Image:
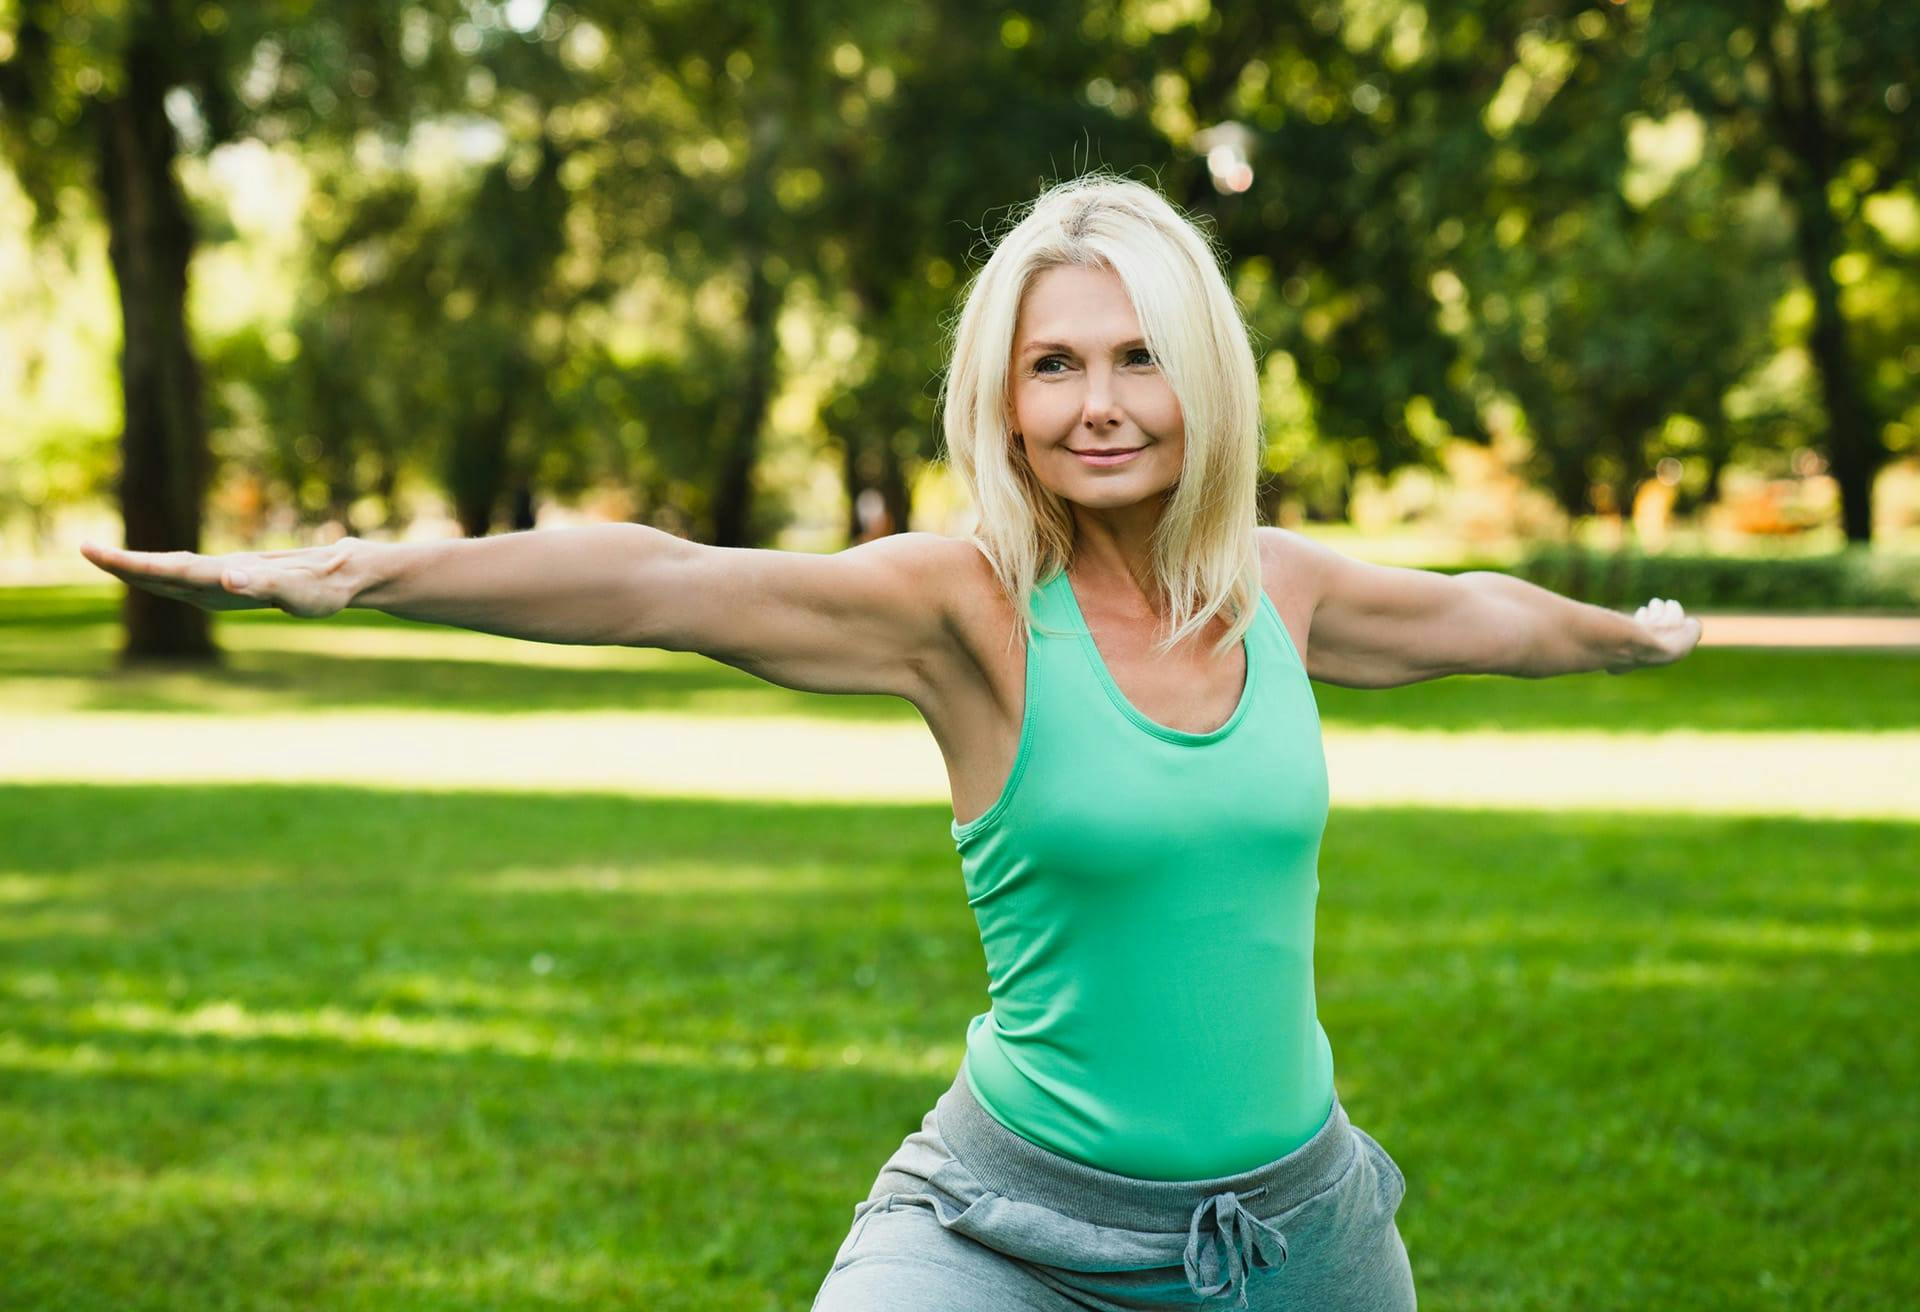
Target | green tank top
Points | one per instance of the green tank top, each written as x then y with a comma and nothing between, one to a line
1146,898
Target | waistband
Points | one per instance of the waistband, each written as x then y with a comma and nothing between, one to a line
1227,1236
1017,1167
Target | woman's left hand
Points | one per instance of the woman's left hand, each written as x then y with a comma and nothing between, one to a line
1671,634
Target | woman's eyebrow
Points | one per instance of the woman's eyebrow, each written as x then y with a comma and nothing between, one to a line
1062,346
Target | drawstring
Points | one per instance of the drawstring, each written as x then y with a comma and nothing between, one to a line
1250,1244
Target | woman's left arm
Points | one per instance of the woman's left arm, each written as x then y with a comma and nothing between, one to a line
1381,626
1573,637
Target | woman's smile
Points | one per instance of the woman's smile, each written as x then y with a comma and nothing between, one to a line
1114,458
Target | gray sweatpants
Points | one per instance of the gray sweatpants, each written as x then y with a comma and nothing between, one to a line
967,1216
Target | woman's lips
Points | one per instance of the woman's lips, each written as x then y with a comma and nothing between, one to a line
1117,458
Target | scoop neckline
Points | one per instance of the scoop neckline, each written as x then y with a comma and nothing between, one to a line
1182,737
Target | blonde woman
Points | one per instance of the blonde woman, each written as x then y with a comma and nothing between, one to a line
1116,669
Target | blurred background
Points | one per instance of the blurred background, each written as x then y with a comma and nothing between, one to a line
1634,276
372,964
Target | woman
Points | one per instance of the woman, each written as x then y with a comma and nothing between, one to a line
1116,670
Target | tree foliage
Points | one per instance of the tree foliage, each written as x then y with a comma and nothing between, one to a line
651,242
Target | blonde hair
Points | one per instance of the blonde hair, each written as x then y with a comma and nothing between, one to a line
1205,556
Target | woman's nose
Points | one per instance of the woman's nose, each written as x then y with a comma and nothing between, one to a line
1100,407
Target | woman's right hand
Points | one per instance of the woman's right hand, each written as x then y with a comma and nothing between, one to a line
311,582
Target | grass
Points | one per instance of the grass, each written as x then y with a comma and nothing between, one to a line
317,1046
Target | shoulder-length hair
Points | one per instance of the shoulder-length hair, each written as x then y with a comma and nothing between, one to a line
1204,553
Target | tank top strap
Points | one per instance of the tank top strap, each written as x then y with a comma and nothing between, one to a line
1064,689
1277,638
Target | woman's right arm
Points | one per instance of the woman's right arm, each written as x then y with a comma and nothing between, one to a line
584,585
871,618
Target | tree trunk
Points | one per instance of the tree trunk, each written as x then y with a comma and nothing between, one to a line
893,487
733,499
1855,449
525,512
480,467
1567,481
850,478
1625,485
386,485
341,492
165,462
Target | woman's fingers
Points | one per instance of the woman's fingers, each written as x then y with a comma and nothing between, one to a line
205,581
168,566
146,564
107,558
1670,626
1661,610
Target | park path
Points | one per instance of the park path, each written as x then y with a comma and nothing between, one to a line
1815,773
810,759
1765,630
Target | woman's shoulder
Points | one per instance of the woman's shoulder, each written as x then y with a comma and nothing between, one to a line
982,665
1288,575
960,572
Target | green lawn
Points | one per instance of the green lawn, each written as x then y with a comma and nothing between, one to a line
293,1047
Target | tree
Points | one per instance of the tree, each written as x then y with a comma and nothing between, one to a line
96,97
1815,98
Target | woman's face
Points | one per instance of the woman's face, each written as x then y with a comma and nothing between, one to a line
1083,380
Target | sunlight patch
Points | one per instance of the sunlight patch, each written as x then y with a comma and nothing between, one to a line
38,924
1650,975
15,889
1785,936
705,878
232,1021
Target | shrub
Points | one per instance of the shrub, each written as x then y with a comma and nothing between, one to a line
1852,579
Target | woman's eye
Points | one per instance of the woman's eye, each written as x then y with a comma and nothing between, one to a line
1140,356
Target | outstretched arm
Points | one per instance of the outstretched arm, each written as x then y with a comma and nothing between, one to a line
589,585
1565,636
870,619
574,585
1381,626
